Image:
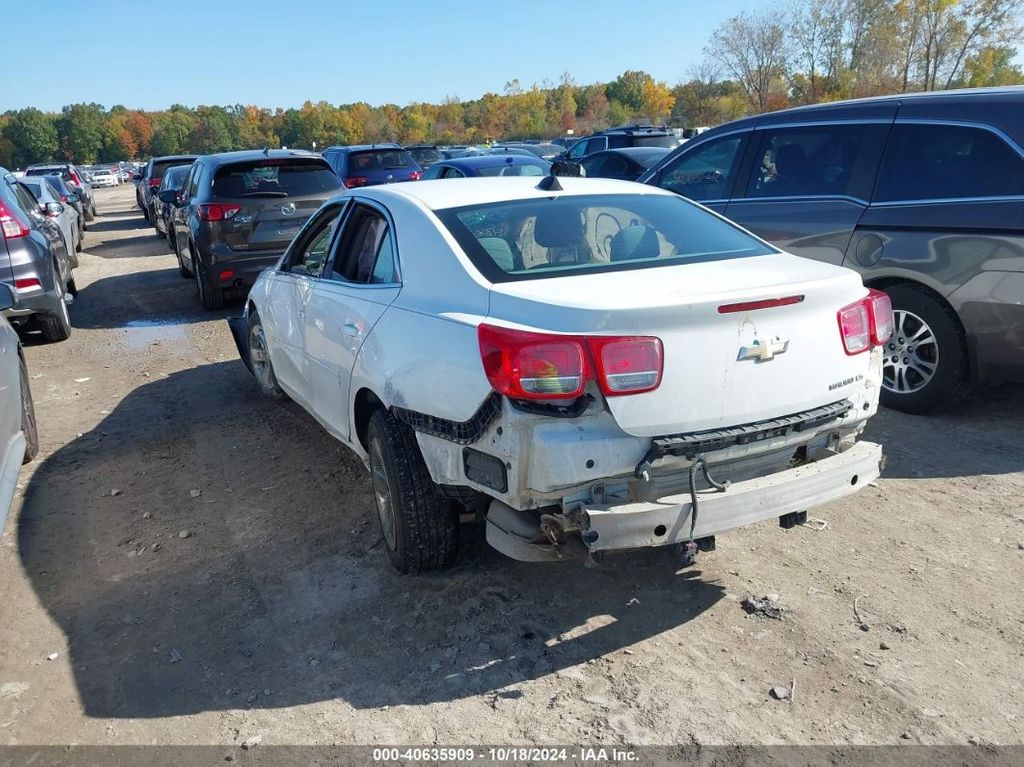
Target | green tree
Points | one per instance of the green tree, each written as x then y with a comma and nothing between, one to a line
628,89
33,136
214,131
171,131
80,130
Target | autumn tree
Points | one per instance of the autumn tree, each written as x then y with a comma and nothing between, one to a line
751,47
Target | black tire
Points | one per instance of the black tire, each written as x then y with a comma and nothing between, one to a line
212,298
90,212
72,288
56,326
259,360
28,415
949,380
424,530
78,245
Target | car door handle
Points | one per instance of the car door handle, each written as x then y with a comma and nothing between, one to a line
350,328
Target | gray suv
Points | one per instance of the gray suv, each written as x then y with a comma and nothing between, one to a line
920,193
34,262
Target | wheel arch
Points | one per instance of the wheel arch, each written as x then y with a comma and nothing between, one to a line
364,405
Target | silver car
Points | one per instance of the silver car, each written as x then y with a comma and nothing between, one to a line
34,260
19,439
65,215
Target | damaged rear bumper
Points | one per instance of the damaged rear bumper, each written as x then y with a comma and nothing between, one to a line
609,526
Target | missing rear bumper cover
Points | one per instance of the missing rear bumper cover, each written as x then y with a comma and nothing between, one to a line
697,443
461,433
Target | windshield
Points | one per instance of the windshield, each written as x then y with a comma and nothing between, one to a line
276,178
175,177
555,237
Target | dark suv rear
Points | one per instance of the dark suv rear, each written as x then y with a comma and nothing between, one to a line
148,186
238,211
622,137
920,193
370,164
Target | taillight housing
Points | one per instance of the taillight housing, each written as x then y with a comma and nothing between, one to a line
215,211
353,181
75,179
866,323
13,223
540,366
154,183
415,175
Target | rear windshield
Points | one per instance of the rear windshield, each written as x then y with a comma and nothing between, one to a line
44,171
160,168
425,155
379,159
175,177
276,178
555,237
524,169
664,141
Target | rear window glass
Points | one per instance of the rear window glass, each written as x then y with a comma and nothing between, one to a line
379,159
425,155
276,178
663,141
159,168
175,177
43,171
514,170
555,237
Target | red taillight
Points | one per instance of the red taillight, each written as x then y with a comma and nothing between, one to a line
415,175
353,181
526,365
74,178
14,225
63,198
216,211
227,275
27,284
866,323
628,365
154,183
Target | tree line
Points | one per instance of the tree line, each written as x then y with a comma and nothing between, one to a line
789,53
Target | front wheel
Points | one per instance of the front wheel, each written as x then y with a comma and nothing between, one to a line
925,364
259,360
28,416
418,524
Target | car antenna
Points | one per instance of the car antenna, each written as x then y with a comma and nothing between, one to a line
550,184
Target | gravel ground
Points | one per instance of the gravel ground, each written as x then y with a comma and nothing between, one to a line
188,563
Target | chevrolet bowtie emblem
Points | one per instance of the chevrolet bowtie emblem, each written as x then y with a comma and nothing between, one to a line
763,352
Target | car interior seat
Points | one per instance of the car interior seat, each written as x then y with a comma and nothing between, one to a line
500,252
563,234
635,242
793,170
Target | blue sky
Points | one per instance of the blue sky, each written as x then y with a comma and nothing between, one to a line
278,53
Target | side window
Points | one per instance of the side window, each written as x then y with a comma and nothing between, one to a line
434,171
189,188
453,173
309,257
706,172
27,202
813,161
929,162
365,240
597,144
594,166
579,149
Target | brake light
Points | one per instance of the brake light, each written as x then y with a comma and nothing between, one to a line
628,365
215,211
415,175
527,365
767,303
27,284
14,225
227,275
154,183
866,323
74,178
353,181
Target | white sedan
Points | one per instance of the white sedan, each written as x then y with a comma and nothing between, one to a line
579,361
103,178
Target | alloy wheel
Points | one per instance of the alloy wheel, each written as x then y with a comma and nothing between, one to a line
911,355
258,357
383,497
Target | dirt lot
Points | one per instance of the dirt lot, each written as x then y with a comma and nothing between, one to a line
264,605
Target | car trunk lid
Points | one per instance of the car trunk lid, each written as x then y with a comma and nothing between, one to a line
725,363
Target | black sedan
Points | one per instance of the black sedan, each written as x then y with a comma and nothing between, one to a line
625,164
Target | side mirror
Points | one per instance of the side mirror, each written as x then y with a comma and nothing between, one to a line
8,298
170,196
54,208
73,198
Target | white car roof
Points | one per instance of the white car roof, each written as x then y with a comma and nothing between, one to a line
455,193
